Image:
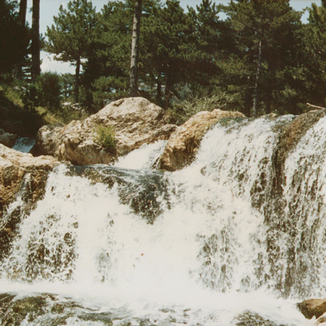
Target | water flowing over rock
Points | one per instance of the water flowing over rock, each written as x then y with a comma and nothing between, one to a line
136,121
236,237
184,142
20,171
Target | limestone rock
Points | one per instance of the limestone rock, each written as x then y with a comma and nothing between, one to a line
14,166
184,142
136,121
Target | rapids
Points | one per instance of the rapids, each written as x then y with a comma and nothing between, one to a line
209,245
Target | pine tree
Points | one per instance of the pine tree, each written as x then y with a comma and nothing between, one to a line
22,21
36,61
165,48
14,37
314,51
265,34
72,34
133,88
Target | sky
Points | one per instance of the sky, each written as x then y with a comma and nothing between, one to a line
50,8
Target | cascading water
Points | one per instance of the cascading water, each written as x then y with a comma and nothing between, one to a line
129,245
24,144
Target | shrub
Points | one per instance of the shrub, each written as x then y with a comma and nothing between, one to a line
105,135
49,88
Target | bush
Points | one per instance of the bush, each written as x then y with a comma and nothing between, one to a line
49,90
105,135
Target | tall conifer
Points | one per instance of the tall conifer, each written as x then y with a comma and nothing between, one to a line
72,35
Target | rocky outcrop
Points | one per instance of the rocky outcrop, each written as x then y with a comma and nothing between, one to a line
184,142
314,308
23,173
7,138
135,121
290,136
14,166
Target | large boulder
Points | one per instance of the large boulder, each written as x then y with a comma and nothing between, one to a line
184,142
312,308
136,121
14,166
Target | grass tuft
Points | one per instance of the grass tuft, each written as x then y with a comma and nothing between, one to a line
105,135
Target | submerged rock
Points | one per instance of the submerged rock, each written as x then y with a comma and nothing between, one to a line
144,193
184,142
249,318
135,121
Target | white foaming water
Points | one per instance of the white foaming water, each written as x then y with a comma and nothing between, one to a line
203,259
305,193
143,158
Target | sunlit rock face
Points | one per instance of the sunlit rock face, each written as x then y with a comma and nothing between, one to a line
136,121
184,142
14,165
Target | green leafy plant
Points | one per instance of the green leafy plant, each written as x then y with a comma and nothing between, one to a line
105,135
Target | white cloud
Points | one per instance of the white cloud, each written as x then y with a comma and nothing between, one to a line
49,64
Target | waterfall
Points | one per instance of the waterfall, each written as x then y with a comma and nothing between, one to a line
130,245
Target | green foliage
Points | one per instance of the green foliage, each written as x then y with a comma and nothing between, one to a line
189,60
73,31
73,34
183,110
105,135
49,89
14,37
45,91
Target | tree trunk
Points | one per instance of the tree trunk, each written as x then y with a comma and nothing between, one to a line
22,12
133,88
36,61
168,86
255,100
76,95
22,21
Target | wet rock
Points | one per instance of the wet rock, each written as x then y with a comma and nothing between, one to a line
145,193
184,142
14,166
39,309
312,308
24,174
289,138
249,318
136,121
277,205
7,139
